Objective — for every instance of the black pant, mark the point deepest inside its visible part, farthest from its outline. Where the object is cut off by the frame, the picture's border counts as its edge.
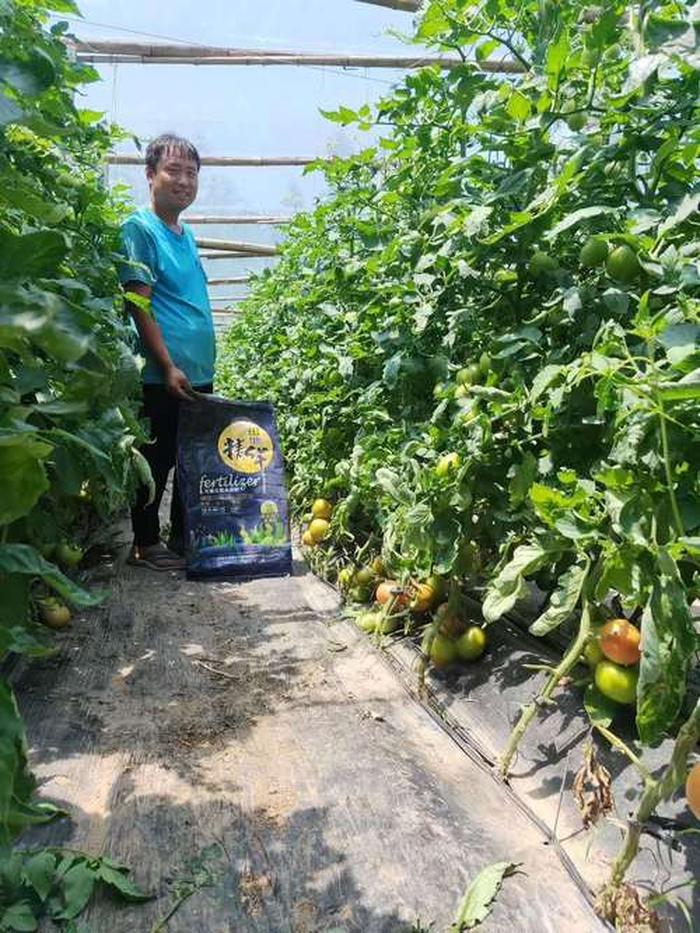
(161, 409)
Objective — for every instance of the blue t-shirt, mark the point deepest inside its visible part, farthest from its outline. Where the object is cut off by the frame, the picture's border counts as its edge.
(170, 264)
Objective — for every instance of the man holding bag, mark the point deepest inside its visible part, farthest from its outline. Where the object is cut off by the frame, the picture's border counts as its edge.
(166, 294)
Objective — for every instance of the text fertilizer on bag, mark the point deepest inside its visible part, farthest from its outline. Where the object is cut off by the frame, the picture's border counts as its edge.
(231, 478)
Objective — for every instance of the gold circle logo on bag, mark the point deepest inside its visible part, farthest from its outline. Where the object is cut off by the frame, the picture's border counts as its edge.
(246, 447)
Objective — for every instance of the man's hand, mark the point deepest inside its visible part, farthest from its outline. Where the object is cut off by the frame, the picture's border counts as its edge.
(177, 383)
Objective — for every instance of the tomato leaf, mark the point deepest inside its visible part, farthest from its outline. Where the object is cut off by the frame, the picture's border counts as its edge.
(19, 917)
(31, 254)
(40, 870)
(475, 905)
(563, 600)
(116, 878)
(77, 886)
(668, 643)
(583, 213)
(601, 710)
(23, 473)
(510, 584)
(23, 559)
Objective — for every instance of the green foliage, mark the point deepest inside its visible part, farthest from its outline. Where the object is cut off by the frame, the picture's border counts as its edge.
(477, 901)
(67, 374)
(51, 884)
(68, 416)
(460, 231)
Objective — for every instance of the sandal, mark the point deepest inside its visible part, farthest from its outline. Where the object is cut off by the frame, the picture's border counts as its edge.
(155, 557)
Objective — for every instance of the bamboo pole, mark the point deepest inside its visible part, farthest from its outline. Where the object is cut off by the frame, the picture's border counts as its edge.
(108, 52)
(233, 280)
(128, 47)
(407, 6)
(232, 255)
(258, 161)
(236, 246)
(245, 219)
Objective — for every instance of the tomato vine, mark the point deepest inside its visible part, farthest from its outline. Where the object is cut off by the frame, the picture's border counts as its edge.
(68, 416)
(490, 224)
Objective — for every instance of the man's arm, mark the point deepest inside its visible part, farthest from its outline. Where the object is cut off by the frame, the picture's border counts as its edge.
(176, 381)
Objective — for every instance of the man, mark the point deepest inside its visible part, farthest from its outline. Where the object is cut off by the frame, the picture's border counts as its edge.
(176, 336)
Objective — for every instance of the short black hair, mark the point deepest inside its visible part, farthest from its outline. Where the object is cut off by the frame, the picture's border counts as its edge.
(167, 142)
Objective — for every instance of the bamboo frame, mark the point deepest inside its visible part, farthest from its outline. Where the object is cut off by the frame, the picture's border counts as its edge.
(246, 219)
(232, 255)
(406, 6)
(233, 280)
(238, 161)
(237, 246)
(108, 52)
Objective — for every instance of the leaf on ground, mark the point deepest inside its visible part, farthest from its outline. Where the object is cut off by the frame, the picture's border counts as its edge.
(20, 917)
(40, 870)
(78, 885)
(120, 882)
(479, 896)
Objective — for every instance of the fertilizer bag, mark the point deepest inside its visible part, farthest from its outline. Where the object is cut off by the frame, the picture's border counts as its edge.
(231, 479)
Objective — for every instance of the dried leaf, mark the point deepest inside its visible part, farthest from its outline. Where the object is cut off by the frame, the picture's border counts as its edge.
(592, 788)
(623, 907)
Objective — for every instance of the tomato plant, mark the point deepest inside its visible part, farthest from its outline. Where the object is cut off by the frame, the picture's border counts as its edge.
(68, 385)
(492, 219)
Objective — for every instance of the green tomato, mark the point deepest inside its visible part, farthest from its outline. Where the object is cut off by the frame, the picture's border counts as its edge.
(593, 653)
(469, 375)
(484, 364)
(364, 576)
(622, 264)
(360, 594)
(69, 555)
(505, 276)
(471, 644)
(443, 651)
(616, 682)
(54, 613)
(345, 577)
(447, 464)
(542, 264)
(389, 624)
(576, 122)
(594, 252)
(368, 621)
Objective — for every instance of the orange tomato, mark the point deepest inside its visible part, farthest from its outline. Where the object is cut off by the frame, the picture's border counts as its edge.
(390, 590)
(692, 790)
(424, 597)
(619, 641)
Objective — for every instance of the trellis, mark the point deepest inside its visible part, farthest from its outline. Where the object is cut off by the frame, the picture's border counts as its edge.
(100, 51)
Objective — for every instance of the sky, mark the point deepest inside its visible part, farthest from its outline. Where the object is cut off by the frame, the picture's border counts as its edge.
(242, 110)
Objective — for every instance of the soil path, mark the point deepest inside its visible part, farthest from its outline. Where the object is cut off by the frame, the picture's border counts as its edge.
(242, 743)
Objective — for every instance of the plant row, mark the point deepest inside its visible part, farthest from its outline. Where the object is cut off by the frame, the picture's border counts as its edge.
(483, 345)
(68, 416)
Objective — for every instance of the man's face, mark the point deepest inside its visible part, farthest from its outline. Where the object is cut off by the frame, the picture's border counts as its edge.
(174, 181)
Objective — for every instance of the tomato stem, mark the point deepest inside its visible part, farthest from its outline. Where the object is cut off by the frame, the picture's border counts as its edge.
(529, 713)
(667, 467)
(654, 793)
(621, 746)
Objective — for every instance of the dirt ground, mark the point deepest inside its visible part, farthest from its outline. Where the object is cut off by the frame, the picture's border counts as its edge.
(260, 768)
